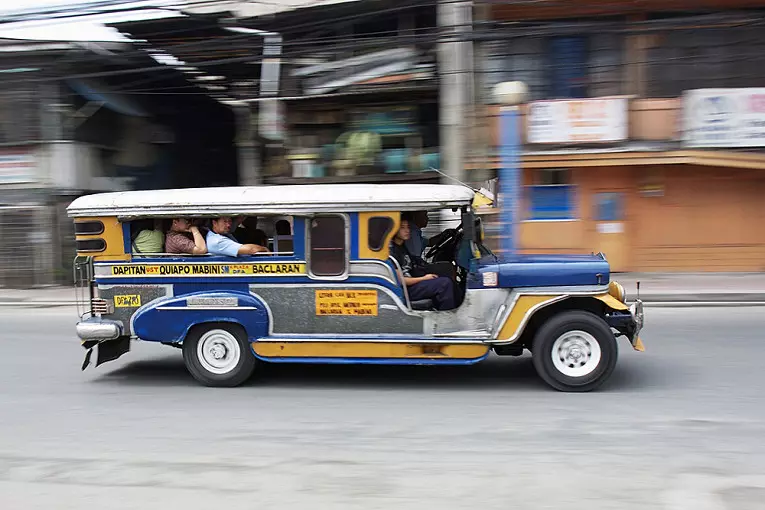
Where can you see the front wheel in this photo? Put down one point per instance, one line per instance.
(218, 355)
(574, 351)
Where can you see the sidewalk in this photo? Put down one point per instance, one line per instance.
(654, 288)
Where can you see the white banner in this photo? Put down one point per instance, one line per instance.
(578, 121)
(724, 117)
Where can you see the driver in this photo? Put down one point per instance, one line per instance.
(426, 286)
(417, 241)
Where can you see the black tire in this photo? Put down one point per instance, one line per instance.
(226, 334)
(553, 329)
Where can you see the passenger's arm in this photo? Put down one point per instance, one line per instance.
(251, 249)
(408, 280)
(200, 247)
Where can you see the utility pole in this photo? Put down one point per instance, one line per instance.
(455, 64)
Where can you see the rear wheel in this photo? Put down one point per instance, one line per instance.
(218, 355)
(574, 351)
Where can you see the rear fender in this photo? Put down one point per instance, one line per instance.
(169, 320)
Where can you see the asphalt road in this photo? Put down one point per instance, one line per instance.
(678, 427)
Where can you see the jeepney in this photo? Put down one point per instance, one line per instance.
(330, 292)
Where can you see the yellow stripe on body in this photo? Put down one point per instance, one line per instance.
(518, 314)
(367, 350)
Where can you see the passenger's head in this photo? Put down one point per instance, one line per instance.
(250, 222)
(283, 228)
(420, 218)
(404, 233)
(222, 225)
(181, 224)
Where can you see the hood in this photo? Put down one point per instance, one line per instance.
(548, 270)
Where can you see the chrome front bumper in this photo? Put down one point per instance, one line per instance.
(98, 329)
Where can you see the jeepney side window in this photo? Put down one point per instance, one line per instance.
(328, 246)
(379, 228)
(147, 235)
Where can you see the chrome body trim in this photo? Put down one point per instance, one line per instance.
(202, 308)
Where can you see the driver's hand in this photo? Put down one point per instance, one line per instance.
(430, 277)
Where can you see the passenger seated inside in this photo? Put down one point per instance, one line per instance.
(220, 241)
(283, 237)
(283, 228)
(184, 237)
(420, 284)
(147, 236)
(245, 230)
(260, 237)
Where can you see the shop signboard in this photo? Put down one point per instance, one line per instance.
(17, 167)
(596, 120)
(724, 117)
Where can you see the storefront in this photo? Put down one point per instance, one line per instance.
(694, 204)
(384, 136)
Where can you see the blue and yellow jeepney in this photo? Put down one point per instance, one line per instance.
(329, 291)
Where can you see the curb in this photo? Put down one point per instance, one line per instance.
(704, 297)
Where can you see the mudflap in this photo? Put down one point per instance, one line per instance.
(107, 351)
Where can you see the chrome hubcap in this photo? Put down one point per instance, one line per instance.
(576, 353)
(218, 351)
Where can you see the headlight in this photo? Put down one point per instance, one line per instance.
(617, 290)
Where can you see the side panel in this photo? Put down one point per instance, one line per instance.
(293, 310)
(477, 315)
(125, 300)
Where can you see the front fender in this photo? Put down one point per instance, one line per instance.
(611, 302)
(169, 320)
(528, 306)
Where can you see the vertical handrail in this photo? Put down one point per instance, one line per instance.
(400, 276)
(82, 276)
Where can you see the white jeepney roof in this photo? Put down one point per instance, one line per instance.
(293, 199)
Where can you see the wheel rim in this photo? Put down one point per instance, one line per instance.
(576, 353)
(218, 351)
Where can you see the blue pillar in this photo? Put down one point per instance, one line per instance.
(510, 179)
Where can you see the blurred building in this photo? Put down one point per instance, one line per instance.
(644, 135)
(356, 82)
(74, 120)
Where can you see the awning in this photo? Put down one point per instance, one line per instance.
(720, 158)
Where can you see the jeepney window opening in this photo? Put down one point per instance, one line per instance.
(90, 245)
(378, 229)
(328, 245)
(275, 232)
(89, 228)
